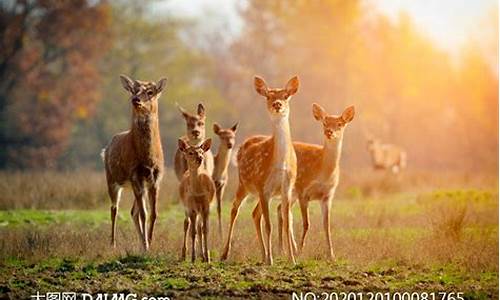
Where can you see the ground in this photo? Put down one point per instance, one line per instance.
(386, 239)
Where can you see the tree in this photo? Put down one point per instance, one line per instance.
(48, 75)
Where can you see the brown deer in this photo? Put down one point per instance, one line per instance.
(318, 170)
(197, 191)
(135, 157)
(195, 125)
(386, 156)
(221, 163)
(267, 167)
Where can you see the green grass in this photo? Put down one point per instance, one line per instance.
(394, 242)
(154, 275)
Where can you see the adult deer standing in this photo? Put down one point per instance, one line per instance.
(221, 163)
(318, 170)
(135, 157)
(386, 156)
(195, 135)
(267, 167)
(197, 191)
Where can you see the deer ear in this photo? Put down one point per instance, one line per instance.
(127, 83)
(348, 114)
(260, 85)
(206, 145)
(292, 85)
(201, 110)
(182, 145)
(216, 128)
(318, 112)
(182, 111)
(161, 84)
(235, 127)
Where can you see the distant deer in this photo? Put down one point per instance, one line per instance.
(386, 156)
(267, 167)
(197, 191)
(318, 170)
(221, 163)
(135, 157)
(195, 135)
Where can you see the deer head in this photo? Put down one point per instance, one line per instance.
(333, 126)
(277, 98)
(227, 136)
(143, 94)
(195, 124)
(194, 154)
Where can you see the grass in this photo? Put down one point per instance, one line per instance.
(427, 238)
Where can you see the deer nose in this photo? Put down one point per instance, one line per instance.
(277, 105)
(135, 100)
(196, 133)
(328, 133)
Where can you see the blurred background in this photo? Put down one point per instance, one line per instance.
(422, 74)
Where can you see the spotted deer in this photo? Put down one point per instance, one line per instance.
(135, 157)
(195, 135)
(318, 170)
(221, 163)
(386, 156)
(267, 167)
(197, 191)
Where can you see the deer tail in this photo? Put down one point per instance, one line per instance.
(103, 155)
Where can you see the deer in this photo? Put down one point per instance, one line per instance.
(386, 156)
(197, 191)
(135, 158)
(221, 162)
(195, 135)
(267, 167)
(318, 171)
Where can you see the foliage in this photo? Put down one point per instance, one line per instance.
(48, 75)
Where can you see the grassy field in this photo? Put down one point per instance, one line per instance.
(414, 233)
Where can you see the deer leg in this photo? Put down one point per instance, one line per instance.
(219, 192)
(199, 234)
(134, 212)
(184, 243)
(138, 188)
(153, 200)
(304, 210)
(280, 228)
(240, 196)
(257, 218)
(325, 210)
(286, 198)
(205, 237)
(264, 204)
(114, 192)
(192, 219)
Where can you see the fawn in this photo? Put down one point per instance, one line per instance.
(221, 163)
(195, 125)
(267, 167)
(318, 170)
(386, 156)
(197, 191)
(135, 157)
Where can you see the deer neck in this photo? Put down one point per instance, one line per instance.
(194, 181)
(282, 140)
(331, 155)
(221, 161)
(145, 133)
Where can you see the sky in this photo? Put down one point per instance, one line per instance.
(449, 23)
